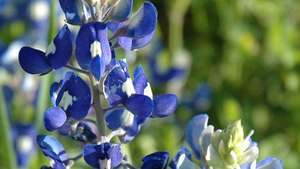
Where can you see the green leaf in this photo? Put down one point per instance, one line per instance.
(7, 153)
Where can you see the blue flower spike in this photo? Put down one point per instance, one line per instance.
(92, 48)
(58, 54)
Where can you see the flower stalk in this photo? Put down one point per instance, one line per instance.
(96, 92)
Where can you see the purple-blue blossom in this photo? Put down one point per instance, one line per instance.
(137, 100)
(71, 99)
(58, 54)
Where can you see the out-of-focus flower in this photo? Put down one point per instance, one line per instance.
(200, 101)
(159, 76)
(24, 141)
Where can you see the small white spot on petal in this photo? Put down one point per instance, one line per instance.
(96, 49)
(148, 91)
(67, 100)
(129, 118)
(128, 87)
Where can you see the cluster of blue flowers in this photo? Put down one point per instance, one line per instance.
(101, 86)
(103, 27)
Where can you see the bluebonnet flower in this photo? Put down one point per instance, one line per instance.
(53, 149)
(77, 107)
(103, 155)
(157, 160)
(24, 141)
(136, 97)
(92, 48)
(59, 52)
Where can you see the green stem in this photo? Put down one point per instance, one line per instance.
(176, 19)
(97, 105)
(7, 154)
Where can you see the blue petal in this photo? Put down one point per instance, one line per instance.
(139, 105)
(33, 61)
(270, 163)
(81, 94)
(54, 118)
(92, 37)
(97, 67)
(52, 148)
(55, 93)
(63, 49)
(115, 118)
(164, 105)
(115, 155)
(157, 160)
(193, 132)
(94, 153)
(138, 43)
(121, 10)
(57, 90)
(129, 43)
(140, 81)
(119, 118)
(90, 155)
(142, 23)
(72, 11)
(113, 84)
(132, 130)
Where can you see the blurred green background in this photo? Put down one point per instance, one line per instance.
(247, 51)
